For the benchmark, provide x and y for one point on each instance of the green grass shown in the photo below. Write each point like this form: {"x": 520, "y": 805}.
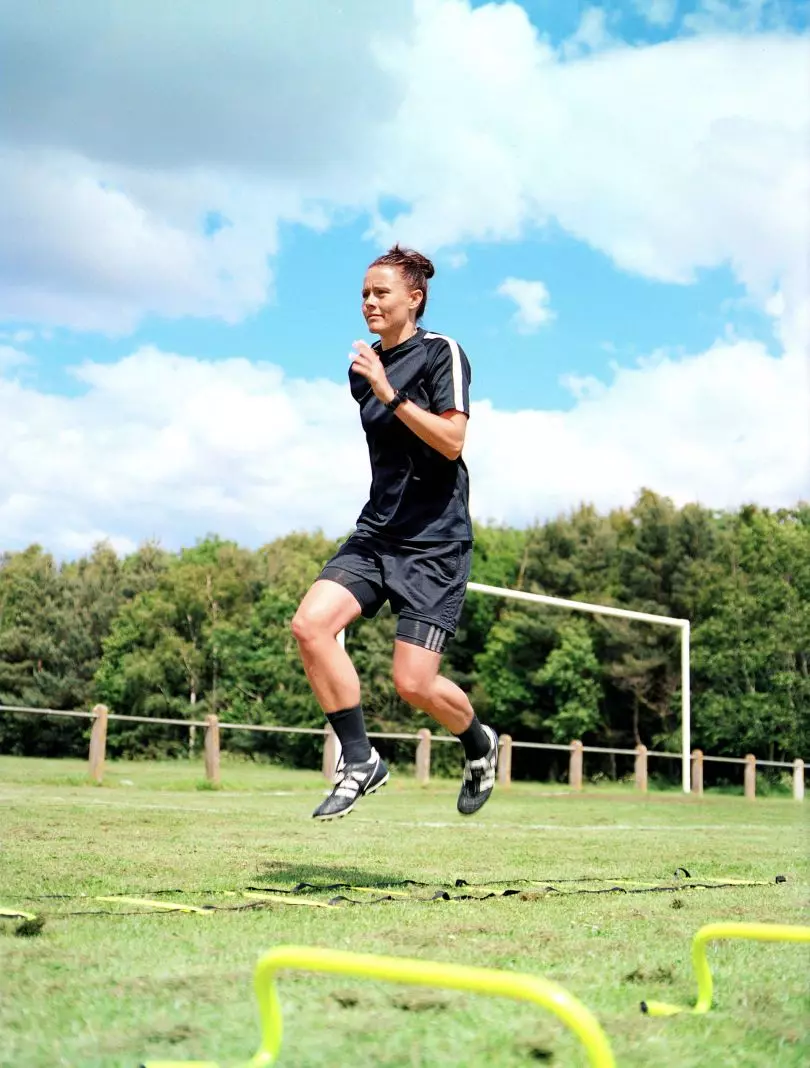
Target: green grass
{"x": 107, "y": 991}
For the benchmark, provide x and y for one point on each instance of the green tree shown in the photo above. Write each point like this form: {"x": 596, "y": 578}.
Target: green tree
{"x": 572, "y": 674}
{"x": 52, "y": 624}
{"x": 752, "y": 636}
{"x": 161, "y": 657}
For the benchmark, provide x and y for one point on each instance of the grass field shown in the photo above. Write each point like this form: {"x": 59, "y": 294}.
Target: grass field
{"x": 110, "y": 990}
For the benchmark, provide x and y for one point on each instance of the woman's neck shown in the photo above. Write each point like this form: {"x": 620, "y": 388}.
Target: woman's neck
{"x": 390, "y": 340}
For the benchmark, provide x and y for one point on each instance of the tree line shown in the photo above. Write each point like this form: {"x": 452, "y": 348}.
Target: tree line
{"x": 206, "y": 629}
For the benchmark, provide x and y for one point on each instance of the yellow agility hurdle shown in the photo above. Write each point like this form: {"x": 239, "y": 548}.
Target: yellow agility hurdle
{"x": 756, "y": 932}
{"x": 519, "y": 987}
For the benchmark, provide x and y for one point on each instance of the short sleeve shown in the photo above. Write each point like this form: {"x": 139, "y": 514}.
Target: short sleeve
{"x": 449, "y": 378}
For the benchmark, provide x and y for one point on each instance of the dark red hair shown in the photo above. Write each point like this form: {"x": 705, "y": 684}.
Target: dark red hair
{"x": 415, "y": 268}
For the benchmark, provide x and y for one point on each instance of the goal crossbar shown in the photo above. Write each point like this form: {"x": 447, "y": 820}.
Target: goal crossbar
{"x": 622, "y": 613}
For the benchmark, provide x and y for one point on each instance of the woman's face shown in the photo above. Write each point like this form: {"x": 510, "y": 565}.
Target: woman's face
{"x": 388, "y": 302}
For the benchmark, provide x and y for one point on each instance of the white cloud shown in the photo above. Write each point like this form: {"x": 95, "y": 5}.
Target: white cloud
{"x": 591, "y": 35}
{"x": 657, "y": 12}
{"x": 735, "y": 16}
{"x": 457, "y": 260}
{"x": 11, "y": 357}
{"x": 18, "y": 337}
{"x": 131, "y": 122}
{"x": 669, "y": 159}
{"x": 532, "y": 299}
{"x": 724, "y": 427}
{"x": 686, "y": 155}
{"x": 159, "y": 445}
{"x": 94, "y": 258}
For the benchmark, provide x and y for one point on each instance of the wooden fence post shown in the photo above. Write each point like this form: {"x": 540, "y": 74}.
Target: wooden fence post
{"x": 423, "y": 757}
{"x": 750, "y": 776}
{"x": 329, "y": 753}
{"x": 505, "y": 761}
{"x": 641, "y": 768}
{"x": 697, "y": 772}
{"x": 98, "y": 743}
{"x": 212, "y": 748}
{"x": 798, "y": 779}
{"x": 575, "y": 766}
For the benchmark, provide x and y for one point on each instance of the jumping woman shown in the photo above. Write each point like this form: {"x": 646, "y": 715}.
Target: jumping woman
{"x": 412, "y": 545}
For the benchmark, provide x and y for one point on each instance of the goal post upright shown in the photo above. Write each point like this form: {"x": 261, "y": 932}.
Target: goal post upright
{"x": 623, "y": 613}
{"x": 686, "y": 708}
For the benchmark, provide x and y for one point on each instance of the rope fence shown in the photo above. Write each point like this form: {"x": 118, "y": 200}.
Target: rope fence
{"x": 424, "y": 739}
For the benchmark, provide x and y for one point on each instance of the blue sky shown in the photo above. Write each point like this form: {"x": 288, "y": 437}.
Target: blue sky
{"x": 602, "y": 316}
{"x": 594, "y": 155}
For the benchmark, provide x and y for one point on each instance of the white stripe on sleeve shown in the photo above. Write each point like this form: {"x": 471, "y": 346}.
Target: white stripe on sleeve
{"x": 458, "y": 382}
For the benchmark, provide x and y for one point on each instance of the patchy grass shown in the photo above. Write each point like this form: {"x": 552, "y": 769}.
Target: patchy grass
{"x": 102, "y": 990}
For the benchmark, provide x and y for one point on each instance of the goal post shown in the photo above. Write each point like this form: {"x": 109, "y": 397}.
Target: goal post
{"x": 622, "y": 613}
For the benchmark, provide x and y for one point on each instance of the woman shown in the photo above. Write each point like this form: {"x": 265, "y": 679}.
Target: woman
{"x": 413, "y": 541}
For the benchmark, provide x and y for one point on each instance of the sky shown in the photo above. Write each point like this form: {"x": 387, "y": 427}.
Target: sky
{"x": 616, "y": 198}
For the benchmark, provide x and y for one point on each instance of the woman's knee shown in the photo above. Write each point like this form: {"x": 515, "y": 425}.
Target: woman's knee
{"x": 314, "y": 619}
{"x": 309, "y": 624}
{"x": 301, "y": 625}
{"x": 325, "y": 610}
{"x": 413, "y": 686}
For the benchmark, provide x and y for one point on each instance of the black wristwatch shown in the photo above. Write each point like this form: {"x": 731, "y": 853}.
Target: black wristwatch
{"x": 395, "y": 401}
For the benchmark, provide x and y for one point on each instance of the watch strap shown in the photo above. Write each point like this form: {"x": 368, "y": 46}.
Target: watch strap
{"x": 395, "y": 401}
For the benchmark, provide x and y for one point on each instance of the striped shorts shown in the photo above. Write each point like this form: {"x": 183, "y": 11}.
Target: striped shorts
{"x": 424, "y": 582}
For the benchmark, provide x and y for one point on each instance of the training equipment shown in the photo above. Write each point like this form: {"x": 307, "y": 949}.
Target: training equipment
{"x": 337, "y": 895}
{"x": 479, "y": 778}
{"x": 758, "y": 932}
{"x": 352, "y": 781}
{"x": 519, "y": 987}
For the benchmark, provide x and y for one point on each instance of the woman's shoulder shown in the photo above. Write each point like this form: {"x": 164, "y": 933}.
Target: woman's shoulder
{"x": 438, "y": 344}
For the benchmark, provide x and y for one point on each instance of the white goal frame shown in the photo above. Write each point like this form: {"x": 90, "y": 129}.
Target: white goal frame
{"x": 623, "y": 613}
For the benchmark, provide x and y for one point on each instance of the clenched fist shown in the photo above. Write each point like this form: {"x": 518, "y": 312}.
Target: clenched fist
{"x": 367, "y": 363}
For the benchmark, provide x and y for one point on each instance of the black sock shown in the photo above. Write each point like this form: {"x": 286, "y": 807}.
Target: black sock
{"x": 475, "y": 740}
{"x": 350, "y": 728}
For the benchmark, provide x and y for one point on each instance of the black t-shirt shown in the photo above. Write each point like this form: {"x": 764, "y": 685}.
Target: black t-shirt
{"x": 416, "y": 493}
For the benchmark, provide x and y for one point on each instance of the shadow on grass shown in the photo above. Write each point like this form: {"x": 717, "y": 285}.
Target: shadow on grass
{"x": 326, "y": 875}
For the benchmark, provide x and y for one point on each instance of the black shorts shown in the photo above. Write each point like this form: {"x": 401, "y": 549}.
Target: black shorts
{"x": 424, "y": 582}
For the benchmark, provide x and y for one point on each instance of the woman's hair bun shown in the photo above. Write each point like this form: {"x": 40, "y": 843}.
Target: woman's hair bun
{"x": 420, "y": 262}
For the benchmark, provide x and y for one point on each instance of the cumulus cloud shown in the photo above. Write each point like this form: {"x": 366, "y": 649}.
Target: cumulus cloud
{"x": 657, "y": 12}
{"x": 737, "y": 16}
{"x": 130, "y": 123}
{"x": 457, "y": 260}
{"x": 159, "y": 444}
{"x": 723, "y": 427}
{"x": 85, "y": 254}
{"x": 707, "y": 166}
{"x": 591, "y": 35}
{"x": 168, "y": 446}
{"x": 17, "y": 337}
{"x": 532, "y": 299}
{"x": 11, "y": 357}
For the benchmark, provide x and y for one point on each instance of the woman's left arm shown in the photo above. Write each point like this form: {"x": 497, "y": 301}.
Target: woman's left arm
{"x": 445, "y": 433}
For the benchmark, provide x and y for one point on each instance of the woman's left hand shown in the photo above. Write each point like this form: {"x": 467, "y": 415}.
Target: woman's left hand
{"x": 367, "y": 363}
